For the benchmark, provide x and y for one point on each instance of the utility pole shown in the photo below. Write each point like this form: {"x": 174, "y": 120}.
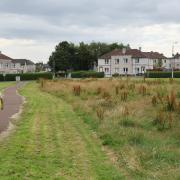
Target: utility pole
{"x": 173, "y": 46}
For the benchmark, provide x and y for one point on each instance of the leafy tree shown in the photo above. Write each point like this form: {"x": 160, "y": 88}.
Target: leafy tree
{"x": 62, "y": 58}
{"x": 67, "y": 56}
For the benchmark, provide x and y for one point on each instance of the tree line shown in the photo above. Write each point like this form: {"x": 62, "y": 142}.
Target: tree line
{"x": 69, "y": 56}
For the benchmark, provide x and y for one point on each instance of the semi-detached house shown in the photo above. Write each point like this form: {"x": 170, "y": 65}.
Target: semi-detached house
{"x": 9, "y": 65}
{"x": 128, "y": 62}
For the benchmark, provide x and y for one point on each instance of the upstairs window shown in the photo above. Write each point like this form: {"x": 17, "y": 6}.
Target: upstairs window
{"x": 137, "y": 60}
{"x": 106, "y": 61}
{"x": 116, "y": 61}
{"x": 125, "y": 70}
{"x": 125, "y": 60}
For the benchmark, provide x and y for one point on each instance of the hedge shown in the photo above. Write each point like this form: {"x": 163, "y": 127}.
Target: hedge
{"x": 25, "y": 76}
{"x": 155, "y": 74}
{"x": 87, "y": 74}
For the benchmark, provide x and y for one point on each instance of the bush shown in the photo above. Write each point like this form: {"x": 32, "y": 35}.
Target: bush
{"x": 115, "y": 75}
{"x": 26, "y": 76}
{"x": 156, "y": 74}
{"x": 87, "y": 74}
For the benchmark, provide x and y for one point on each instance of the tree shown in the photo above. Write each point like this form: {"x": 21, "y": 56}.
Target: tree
{"x": 67, "y": 56}
{"x": 62, "y": 58}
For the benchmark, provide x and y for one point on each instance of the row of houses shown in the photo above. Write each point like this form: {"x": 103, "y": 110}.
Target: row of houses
{"x": 9, "y": 65}
{"x": 134, "y": 62}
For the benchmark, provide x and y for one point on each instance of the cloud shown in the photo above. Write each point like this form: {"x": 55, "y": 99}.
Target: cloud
{"x": 43, "y": 22}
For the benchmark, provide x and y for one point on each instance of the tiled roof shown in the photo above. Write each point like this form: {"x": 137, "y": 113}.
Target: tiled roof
{"x": 135, "y": 53}
{"x": 4, "y": 57}
{"x": 177, "y": 56}
{"x": 23, "y": 61}
{"x": 154, "y": 55}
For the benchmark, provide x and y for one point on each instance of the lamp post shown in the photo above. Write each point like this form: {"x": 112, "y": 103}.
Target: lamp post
{"x": 173, "y": 46}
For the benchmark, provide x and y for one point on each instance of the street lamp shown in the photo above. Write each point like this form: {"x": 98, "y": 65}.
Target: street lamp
{"x": 173, "y": 58}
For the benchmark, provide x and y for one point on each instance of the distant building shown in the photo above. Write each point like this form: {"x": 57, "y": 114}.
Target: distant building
{"x": 175, "y": 61}
{"x": 129, "y": 62}
{"x": 9, "y": 65}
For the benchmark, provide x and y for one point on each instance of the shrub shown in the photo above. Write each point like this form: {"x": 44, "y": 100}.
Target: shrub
{"x": 87, "y": 74}
{"x": 156, "y": 74}
{"x": 115, "y": 75}
{"x": 26, "y": 76}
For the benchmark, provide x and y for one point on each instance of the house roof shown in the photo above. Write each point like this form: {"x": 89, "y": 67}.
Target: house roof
{"x": 135, "y": 53}
{"x": 23, "y": 61}
{"x": 177, "y": 56}
{"x": 154, "y": 55}
{"x": 4, "y": 57}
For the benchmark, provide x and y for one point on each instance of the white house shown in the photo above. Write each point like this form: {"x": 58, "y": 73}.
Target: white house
{"x": 9, "y": 65}
{"x": 124, "y": 62}
{"x": 131, "y": 62}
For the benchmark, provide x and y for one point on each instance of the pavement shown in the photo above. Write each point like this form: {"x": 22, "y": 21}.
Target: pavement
{"x": 12, "y": 104}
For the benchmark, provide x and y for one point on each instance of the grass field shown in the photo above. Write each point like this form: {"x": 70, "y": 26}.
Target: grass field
{"x": 4, "y": 85}
{"x": 51, "y": 141}
{"x": 136, "y": 120}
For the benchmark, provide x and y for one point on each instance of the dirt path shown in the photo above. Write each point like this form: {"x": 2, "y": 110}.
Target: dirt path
{"x": 12, "y": 104}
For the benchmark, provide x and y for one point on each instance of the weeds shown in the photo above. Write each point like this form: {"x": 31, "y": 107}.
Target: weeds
{"x": 154, "y": 100}
{"x": 171, "y": 101}
{"x": 142, "y": 90}
{"x": 124, "y": 96}
{"x": 100, "y": 113}
{"x": 77, "y": 90}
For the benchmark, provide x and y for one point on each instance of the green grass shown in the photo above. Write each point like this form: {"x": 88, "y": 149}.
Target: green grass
{"x": 140, "y": 148}
{"x": 52, "y": 142}
{"x": 5, "y": 84}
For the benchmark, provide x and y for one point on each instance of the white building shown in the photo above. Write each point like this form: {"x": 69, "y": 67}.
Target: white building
{"x": 125, "y": 62}
{"x": 131, "y": 62}
{"x": 9, "y": 65}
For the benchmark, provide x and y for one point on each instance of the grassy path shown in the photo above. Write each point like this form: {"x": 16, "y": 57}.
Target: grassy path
{"x": 52, "y": 142}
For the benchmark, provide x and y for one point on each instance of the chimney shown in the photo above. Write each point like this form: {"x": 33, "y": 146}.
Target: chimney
{"x": 124, "y": 50}
{"x": 140, "y": 48}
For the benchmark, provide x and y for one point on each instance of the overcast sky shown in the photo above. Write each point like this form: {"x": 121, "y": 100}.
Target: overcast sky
{"x": 31, "y": 29}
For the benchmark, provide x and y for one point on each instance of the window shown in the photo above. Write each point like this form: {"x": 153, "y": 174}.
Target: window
{"x": 106, "y": 61}
{"x": 164, "y": 61}
{"x": 125, "y": 70}
{"x": 125, "y": 60}
{"x": 116, "y": 70}
{"x": 116, "y": 61}
{"x": 136, "y": 60}
{"x": 6, "y": 65}
{"x": 178, "y": 65}
{"x": 137, "y": 70}
{"x": 101, "y": 69}
{"x": 106, "y": 70}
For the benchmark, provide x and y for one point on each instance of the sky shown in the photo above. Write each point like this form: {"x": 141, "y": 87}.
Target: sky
{"x": 31, "y": 29}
